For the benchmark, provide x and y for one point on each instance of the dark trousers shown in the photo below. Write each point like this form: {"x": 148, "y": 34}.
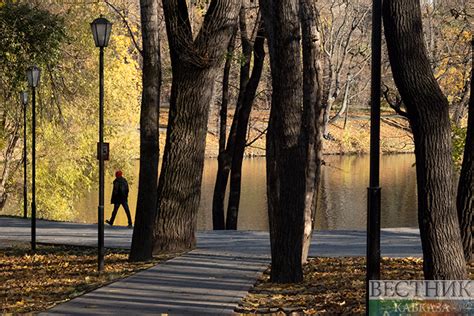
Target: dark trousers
{"x": 127, "y": 211}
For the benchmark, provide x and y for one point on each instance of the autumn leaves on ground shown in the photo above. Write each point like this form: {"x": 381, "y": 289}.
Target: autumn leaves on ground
{"x": 36, "y": 282}
{"x": 331, "y": 286}
{"x": 55, "y": 274}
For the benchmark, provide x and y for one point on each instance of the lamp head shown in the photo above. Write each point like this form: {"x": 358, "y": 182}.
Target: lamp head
{"x": 101, "y": 28}
{"x": 33, "y": 76}
{"x": 24, "y": 98}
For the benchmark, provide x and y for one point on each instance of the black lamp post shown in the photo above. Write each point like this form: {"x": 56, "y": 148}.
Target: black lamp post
{"x": 24, "y": 102}
{"x": 101, "y": 28}
{"x": 33, "y": 76}
{"x": 374, "y": 190}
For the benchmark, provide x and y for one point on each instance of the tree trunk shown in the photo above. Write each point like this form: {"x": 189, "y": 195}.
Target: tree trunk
{"x": 195, "y": 65}
{"x": 7, "y": 166}
{"x": 249, "y": 92}
{"x": 142, "y": 240}
{"x": 345, "y": 101}
{"x": 465, "y": 197}
{"x": 429, "y": 118}
{"x": 312, "y": 104}
{"x": 327, "y": 112}
{"x": 225, "y": 158}
{"x": 285, "y": 149}
{"x": 461, "y": 105}
{"x": 219, "y": 188}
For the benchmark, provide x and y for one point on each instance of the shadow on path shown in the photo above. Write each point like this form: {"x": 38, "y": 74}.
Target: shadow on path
{"x": 211, "y": 279}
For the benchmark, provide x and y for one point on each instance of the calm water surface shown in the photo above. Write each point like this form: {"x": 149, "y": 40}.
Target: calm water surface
{"x": 342, "y": 203}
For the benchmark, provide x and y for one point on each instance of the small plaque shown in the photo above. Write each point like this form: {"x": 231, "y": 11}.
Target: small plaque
{"x": 105, "y": 151}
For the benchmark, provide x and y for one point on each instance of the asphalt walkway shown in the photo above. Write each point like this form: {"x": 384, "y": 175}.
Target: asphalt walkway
{"x": 208, "y": 280}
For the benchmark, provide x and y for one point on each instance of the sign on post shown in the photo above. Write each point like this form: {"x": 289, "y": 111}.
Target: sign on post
{"x": 105, "y": 151}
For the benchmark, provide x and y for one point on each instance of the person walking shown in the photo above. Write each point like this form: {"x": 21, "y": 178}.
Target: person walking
{"x": 120, "y": 197}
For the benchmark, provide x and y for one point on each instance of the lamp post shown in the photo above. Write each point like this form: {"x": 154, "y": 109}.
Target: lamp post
{"x": 374, "y": 190}
{"x": 24, "y": 102}
{"x": 101, "y": 28}
{"x": 33, "y": 76}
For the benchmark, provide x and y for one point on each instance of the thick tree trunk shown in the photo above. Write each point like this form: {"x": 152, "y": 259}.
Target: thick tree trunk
{"x": 465, "y": 197}
{"x": 218, "y": 222}
{"x": 248, "y": 97}
{"x": 429, "y": 118}
{"x": 142, "y": 240}
{"x": 312, "y": 104}
{"x": 195, "y": 65}
{"x": 286, "y": 143}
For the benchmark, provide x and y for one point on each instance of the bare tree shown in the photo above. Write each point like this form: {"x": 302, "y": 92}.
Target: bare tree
{"x": 218, "y": 221}
{"x": 231, "y": 158}
{"x": 345, "y": 47}
{"x": 253, "y": 45}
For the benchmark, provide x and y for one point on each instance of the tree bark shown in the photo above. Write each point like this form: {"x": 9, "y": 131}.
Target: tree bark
{"x": 248, "y": 96}
{"x": 285, "y": 149}
{"x": 142, "y": 240}
{"x": 428, "y": 113}
{"x": 218, "y": 222}
{"x": 465, "y": 196}
{"x": 195, "y": 64}
{"x": 313, "y": 111}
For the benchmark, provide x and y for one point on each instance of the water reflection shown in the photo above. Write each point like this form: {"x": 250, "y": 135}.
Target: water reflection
{"x": 342, "y": 203}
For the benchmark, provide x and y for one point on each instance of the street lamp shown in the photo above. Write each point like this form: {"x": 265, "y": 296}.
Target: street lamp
{"x": 101, "y": 28}
{"x": 33, "y": 76}
{"x": 374, "y": 190}
{"x": 24, "y": 102}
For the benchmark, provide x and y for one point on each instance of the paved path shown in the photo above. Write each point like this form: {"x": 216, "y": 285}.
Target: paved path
{"x": 208, "y": 280}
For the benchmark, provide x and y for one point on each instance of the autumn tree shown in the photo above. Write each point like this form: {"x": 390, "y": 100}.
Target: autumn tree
{"x": 195, "y": 64}
{"x": 67, "y": 101}
{"x": 28, "y": 36}
{"x": 447, "y": 35}
{"x": 142, "y": 241}
{"x": 428, "y": 113}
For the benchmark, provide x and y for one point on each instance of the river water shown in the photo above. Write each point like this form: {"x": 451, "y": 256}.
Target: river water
{"x": 342, "y": 203}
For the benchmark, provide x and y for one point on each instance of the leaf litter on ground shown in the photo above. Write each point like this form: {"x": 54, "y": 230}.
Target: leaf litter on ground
{"x": 31, "y": 282}
{"x": 331, "y": 286}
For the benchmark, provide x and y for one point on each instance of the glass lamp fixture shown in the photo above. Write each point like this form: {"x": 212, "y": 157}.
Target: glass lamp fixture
{"x": 33, "y": 75}
{"x": 101, "y": 28}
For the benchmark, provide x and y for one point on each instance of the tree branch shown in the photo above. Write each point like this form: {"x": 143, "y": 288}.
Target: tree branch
{"x": 394, "y": 104}
{"x": 125, "y": 22}
{"x": 256, "y": 138}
